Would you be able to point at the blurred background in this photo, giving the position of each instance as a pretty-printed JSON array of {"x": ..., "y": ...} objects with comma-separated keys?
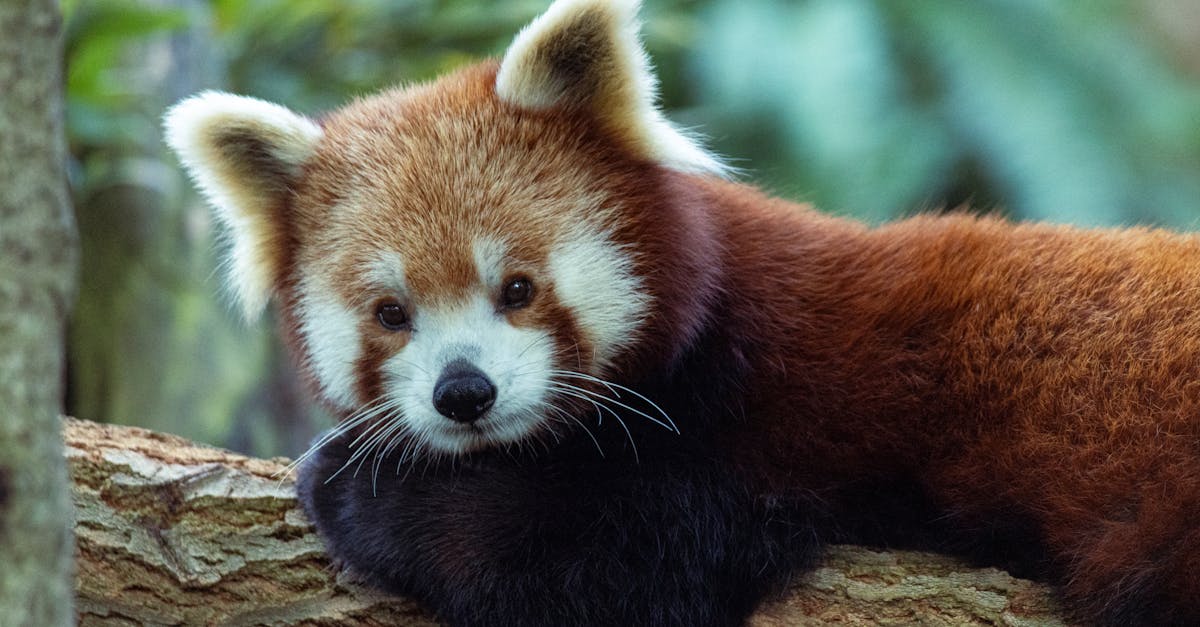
[{"x": 1081, "y": 112}]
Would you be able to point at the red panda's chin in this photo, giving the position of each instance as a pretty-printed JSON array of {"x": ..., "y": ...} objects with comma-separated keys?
[{"x": 494, "y": 430}]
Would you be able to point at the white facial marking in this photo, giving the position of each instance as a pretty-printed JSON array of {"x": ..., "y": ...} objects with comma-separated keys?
[
  {"x": 489, "y": 256},
  {"x": 386, "y": 272},
  {"x": 516, "y": 360},
  {"x": 330, "y": 332},
  {"x": 595, "y": 279}
]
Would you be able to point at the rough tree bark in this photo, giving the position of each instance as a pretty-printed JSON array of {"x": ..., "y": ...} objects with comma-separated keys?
[
  {"x": 37, "y": 265},
  {"x": 172, "y": 532}
]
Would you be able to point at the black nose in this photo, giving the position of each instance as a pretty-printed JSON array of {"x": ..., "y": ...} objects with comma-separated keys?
[{"x": 463, "y": 393}]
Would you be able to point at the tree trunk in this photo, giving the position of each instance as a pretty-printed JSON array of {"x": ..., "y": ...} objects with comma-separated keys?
[
  {"x": 37, "y": 265},
  {"x": 171, "y": 532}
]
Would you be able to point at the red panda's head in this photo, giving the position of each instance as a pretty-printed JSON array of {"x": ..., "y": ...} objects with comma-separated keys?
[{"x": 465, "y": 261}]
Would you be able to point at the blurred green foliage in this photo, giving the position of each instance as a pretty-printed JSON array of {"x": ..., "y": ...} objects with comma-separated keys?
[
  {"x": 1066, "y": 111},
  {"x": 1084, "y": 112}
]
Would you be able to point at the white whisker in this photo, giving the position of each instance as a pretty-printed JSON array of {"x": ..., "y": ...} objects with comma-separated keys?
[
  {"x": 567, "y": 391},
  {"x": 366, "y": 413},
  {"x": 616, "y": 386},
  {"x": 377, "y": 431},
  {"x": 567, "y": 415},
  {"x": 396, "y": 427},
  {"x": 668, "y": 427},
  {"x": 636, "y": 459}
]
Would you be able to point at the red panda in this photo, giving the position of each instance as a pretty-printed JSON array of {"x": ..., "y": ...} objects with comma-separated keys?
[{"x": 583, "y": 378}]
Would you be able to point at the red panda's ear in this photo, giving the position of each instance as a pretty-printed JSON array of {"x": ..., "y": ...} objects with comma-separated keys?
[
  {"x": 244, "y": 154},
  {"x": 586, "y": 54}
]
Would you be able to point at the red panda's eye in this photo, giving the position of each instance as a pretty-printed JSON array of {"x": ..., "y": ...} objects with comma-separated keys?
[
  {"x": 516, "y": 293},
  {"x": 392, "y": 316}
]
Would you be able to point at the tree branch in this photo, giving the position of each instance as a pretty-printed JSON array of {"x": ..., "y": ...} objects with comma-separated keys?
[{"x": 169, "y": 531}]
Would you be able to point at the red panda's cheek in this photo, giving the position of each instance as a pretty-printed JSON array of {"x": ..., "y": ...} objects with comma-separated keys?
[
  {"x": 546, "y": 314},
  {"x": 597, "y": 288},
  {"x": 326, "y": 333},
  {"x": 378, "y": 346},
  {"x": 384, "y": 339}
]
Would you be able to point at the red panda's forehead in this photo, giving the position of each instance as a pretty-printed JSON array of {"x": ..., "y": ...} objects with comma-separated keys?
[{"x": 436, "y": 173}]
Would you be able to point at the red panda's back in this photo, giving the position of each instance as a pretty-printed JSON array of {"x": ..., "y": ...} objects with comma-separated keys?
[{"x": 1042, "y": 372}]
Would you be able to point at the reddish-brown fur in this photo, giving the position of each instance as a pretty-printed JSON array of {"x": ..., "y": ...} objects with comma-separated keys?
[
  {"x": 1046, "y": 371},
  {"x": 385, "y": 165},
  {"x": 1042, "y": 369}
]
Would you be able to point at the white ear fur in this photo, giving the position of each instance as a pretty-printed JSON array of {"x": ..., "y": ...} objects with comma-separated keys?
[
  {"x": 243, "y": 154},
  {"x": 587, "y": 53}
]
